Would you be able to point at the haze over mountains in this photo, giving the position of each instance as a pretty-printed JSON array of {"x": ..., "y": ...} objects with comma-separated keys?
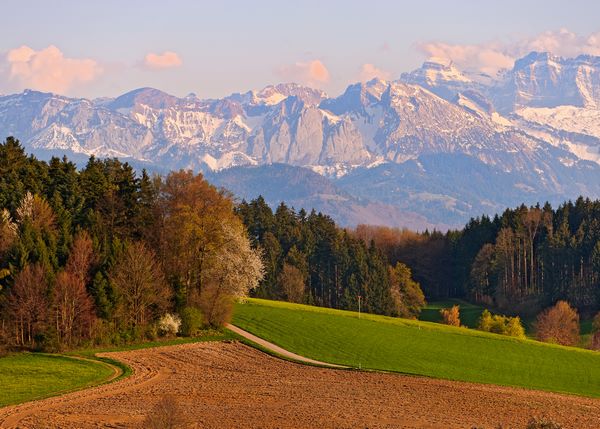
[{"x": 433, "y": 148}]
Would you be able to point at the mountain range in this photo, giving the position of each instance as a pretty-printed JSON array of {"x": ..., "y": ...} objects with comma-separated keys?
[{"x": 430, "y": 149}]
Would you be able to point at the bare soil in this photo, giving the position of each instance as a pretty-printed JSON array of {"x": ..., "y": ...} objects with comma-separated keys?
[{"x": 231, "y": 385}]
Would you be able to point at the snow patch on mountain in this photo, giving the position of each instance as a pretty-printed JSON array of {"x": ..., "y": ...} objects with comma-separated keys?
[{"x": 569, "y": 118}]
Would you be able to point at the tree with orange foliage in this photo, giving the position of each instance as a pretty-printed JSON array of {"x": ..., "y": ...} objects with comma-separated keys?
[
  {"x": 451, "y": 316},
  {"x": 558, "y": 324},
  {"x": 195, "y": 216}
]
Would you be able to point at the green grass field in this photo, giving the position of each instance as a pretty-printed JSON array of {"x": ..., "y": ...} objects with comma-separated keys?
[
  {"x": 420, "y": 348},
  {"x": 27, "y": 376},
  {"x": 470, "y": 313}
]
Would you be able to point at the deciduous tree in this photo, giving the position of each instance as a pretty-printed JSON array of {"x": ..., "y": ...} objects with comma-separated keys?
[
  {"x": 558, "y": 324},
  {"x": 27, "y": 304},
  {"x": 406, "y": 293},
  {"x": 451, "y": 316},
  {"x": 236, "y": 270},
  {"x": 73, "y": 309},
  {"x": 140, "y": 284},
  {"x": 292, "y": 283}
]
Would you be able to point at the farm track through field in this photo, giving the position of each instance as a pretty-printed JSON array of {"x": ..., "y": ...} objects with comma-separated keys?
[
  {"x": 231, "y": 385},
  {"x": 278, "y": 350}
]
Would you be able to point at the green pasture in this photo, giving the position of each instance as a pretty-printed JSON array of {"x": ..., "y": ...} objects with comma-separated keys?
[{"x": 420, "y": 348}]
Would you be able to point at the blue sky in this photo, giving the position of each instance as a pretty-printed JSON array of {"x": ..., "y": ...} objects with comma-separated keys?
[{"x": 216, "y": 48}]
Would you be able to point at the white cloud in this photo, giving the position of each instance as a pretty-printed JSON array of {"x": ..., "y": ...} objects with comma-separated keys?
[
  {"x": 47, "y": 70},
  {"x": 565, "y": 43},
  {"x": 167, "y": 59},
  {"x": 493, "y": 56},
  {"x": 369, "y": 71},
  {"x": 313, "y": 73}
]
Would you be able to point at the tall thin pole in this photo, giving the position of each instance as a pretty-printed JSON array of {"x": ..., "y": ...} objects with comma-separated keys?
[{"x": 359, "y": 362}]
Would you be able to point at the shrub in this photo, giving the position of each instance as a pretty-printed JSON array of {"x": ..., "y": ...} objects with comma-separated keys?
[
  {"x": 485, "y": 321},
  {"x": 216, "y": 307},
  {"x": 191, "y": 321},
  {"x": 558, "y": 324},
  {"x": 499, "y": 324},
  {"x": 451, "y": 316},
  {"x": 169, "y": 324},
  {"x": 514, "y": 327}
]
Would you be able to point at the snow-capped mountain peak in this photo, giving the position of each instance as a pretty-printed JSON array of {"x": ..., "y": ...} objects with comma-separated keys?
[{"x": 532, "y": 131}]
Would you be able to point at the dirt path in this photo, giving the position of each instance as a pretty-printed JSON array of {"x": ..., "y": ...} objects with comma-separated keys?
[
  {"x": 275, "y": 348},
  {"x": 231, "y": 385}
]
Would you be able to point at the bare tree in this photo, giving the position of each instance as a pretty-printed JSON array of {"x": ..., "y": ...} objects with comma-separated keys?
[
  {"x": 292, "y": 282},
  {"x": 27, "y": 304},
  {"x": 8, "y": 234},
  {"x": 72, "y": 305},
  {"x": 73, "y": 309},
  {"x": 81, "y": 257},
  {"x": 140, "y": 283}
]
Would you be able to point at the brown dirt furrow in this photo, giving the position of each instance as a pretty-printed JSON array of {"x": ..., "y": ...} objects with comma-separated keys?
[{"x": 230, "y": 385}]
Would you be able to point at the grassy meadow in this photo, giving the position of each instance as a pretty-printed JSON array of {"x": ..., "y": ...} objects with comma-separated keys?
[
  {"x": 420, "y": 348},
  {"x": 28, "y": 376}
]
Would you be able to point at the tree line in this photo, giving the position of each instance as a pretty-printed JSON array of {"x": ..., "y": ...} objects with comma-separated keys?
[
  {"x": 309, "y": 259},
  {"x": 101, "y": 254},
  {"x": 520, "y": 262}
]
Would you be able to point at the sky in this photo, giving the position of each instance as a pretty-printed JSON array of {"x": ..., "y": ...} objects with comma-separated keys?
[{"x": 105, "y": 48}]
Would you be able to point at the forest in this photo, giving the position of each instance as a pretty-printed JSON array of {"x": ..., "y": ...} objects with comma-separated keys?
[
  {"x": 103, "y": 254},
  {"x": 520, "y": 261}
]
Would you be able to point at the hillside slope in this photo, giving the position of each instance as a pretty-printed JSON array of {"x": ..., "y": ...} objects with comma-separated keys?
[{"x": 421, "y": 348}]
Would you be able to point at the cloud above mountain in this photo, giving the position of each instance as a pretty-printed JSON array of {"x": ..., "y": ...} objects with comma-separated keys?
[
  {"x": 166, "y": 60},
  {"x": 312, "y": 73},
  {"x": 490, "y": 57},
  {"x": 46, "y": 70},
  {"x": 369, "y": 71}
]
